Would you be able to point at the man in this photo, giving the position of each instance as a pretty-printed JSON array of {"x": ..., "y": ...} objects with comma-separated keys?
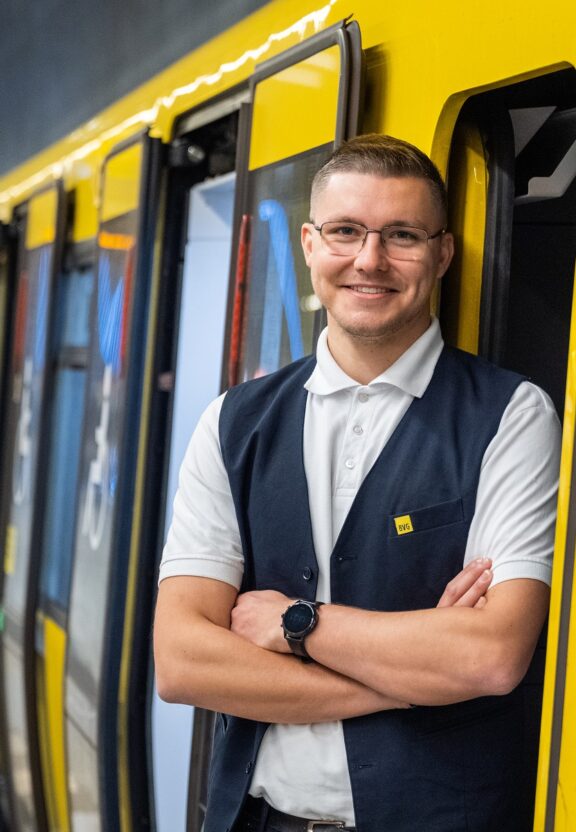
[{"x": 367, "y": 480}]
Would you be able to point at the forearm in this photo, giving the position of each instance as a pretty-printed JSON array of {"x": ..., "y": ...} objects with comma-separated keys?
[
  {"x": 431, "y": 657},
  {"x": 200, "y": 662},
  {"x": 427, "y": 657}
]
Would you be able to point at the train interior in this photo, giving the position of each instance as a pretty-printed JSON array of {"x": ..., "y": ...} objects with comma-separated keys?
[{"x": 528, "y": 136}]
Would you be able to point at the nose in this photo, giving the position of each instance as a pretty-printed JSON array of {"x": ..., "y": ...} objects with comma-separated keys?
[{"x": 372, "y": 256}]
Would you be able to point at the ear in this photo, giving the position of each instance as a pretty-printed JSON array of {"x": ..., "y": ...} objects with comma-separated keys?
[
  {"x": 446, "y": 254},
  {"x": 306, "y": 240}
]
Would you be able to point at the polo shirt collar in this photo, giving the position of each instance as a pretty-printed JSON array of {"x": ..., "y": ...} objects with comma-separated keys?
[{"x": 411, "y": 372}]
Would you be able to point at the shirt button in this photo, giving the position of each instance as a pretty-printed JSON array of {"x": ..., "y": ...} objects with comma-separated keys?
[
  {"x": 349, "y": 463},
  {"x": 358, "y": 429},
  {"x": 307, "y": 573},
  {"x": 363, "y": 397}
]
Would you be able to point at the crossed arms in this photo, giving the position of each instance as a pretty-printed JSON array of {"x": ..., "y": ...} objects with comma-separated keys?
[{"x": 226, "y": 652}]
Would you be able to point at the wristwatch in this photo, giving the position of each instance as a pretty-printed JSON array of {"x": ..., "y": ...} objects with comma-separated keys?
[{"x": 298, "y": 622}]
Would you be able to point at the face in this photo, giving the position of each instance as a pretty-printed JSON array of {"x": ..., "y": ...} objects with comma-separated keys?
[{"x": 369, "y": 297}]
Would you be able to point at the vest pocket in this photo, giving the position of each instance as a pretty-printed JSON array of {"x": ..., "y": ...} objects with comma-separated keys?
[{"x": 403, "y": 524}]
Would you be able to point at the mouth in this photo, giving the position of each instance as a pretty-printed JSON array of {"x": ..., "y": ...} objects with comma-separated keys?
[{"x": 371, "y": 290}]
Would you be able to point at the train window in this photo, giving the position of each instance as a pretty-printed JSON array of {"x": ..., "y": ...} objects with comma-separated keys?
[
  {"x": 304, "y": 102},
  {"x": 74, "y": 296},
  {"x": 24, "y": 460},
  {"x": 108, "y": 454},
  {"x": 282, "y": 313}
]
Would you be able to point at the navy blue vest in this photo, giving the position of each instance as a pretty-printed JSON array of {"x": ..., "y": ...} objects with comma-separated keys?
[{"x": 467, "y": 767}]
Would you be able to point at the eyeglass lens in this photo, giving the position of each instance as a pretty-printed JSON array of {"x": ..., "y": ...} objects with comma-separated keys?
[{"x": 400, "y": 242}]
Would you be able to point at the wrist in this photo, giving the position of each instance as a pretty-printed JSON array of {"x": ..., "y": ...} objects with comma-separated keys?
[{"x": 298, "y": 621}]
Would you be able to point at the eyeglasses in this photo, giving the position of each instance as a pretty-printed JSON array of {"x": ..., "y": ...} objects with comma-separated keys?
[{"x": 402, "y": 242}]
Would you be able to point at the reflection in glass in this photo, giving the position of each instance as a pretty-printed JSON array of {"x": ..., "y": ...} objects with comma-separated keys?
[
  {"x": 106, "y": 397},
  {"x": 280, "y": 321},
  {"x": 67, "y": 411}
]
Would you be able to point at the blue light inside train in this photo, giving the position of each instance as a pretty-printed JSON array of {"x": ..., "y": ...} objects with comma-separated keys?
[
  {"x": 41, "y": 310},
  {"x": 281, "y": 288},
  {"x": 110, "y": 305}
]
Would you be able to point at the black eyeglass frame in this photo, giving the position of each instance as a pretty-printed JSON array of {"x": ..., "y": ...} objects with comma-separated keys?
[{"x": 379, "y": 231}]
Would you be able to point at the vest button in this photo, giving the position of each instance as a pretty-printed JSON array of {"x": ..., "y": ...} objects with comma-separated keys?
[
  {"x": 249, "y": 767},
  {"x": 307, "y": 573}
]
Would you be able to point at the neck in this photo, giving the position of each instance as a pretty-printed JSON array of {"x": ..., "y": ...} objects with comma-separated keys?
[{"x": 364, "y": 358}]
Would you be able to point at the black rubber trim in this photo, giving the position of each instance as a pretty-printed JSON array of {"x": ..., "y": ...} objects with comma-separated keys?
[
  {"x": 240, "y": 201},
  {"x": 39, "y": 501},
  {"x": 498, "y": 136},
  {"x": 122, "y": 520}
]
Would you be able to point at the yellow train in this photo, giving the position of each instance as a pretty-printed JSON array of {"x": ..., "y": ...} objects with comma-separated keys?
[{"x": 151, "y": 258}]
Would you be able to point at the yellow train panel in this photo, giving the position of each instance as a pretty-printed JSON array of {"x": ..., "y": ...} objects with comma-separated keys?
[
  {"x": 41, "y": 223},
  {"x": 51, "y": 719},
  {"x": 303, "y": 95},
  {"x": 122, "y": 183},
  {"x": 430, "y": 69},
  {"x": 85, "y": 207},
  {"x": 467, "y": 221}
]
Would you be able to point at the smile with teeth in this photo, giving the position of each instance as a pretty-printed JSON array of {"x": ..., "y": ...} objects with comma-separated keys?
[{"x": 370, "y": 290}]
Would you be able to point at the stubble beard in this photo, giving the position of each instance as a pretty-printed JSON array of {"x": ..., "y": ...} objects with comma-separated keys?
[{"x": 383, "y": 333}]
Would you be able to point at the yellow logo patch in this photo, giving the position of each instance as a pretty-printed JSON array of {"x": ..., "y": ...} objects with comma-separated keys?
[{"x": 403, "y": 524}]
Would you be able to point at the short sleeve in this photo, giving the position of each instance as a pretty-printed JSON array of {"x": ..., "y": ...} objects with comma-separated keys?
[
  {"x": 515, "y": 515},
  {"x": 204, "y": 539}
]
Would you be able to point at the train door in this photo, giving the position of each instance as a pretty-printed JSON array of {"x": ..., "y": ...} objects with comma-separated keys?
[
  {"x": 97, "y": 716},
  {"x": 7, "y": 269},
  {"x": 514, "y": 296},
  {"x": 24, "y": 457},
  {"x": 302, "y": 103},
  {"x": 199, "y": 213},
  {"x": 73, "y": 300}
]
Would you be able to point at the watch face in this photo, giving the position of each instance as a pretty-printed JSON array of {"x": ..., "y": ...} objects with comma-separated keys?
[{"x": 298, "y": 618}]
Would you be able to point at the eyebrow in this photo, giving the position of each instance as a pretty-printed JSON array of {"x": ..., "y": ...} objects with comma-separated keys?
[{"x": 399, "y": 223}]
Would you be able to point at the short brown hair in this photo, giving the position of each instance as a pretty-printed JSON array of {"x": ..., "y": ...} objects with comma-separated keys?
[{"x": 382, "y": 156}]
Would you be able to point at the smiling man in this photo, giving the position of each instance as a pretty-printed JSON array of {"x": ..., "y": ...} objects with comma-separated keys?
[{"x": 325, "y": 583}]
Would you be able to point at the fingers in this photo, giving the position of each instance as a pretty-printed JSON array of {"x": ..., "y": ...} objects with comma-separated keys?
[
  {"x": 469, "y": 585},
  {"x": 476, "y": 595}
]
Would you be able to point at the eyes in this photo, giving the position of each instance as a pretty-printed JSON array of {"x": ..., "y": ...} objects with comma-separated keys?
[
  {"x": 404, "y": 236},
  {"x": 400, "y": 242}
]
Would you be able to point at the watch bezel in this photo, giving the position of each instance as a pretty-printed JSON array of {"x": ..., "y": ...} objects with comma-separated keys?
[{"x": 311, "y": 607}]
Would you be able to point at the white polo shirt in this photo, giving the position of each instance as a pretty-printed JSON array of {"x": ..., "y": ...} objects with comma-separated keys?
[{"x": 301, "y": 769}]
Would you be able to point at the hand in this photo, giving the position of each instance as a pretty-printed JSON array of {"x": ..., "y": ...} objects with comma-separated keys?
[
  {"x": 257, "y": 617},
  {"x": 469, "y": 587}
]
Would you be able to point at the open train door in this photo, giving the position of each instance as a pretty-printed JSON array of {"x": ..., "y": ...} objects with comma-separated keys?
[
  {"x": 38, "y": 234},
  {"x": 96, "y": 715},
  {"x": 303, "y": 103},
  {"x": 510, "y": 297}
]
